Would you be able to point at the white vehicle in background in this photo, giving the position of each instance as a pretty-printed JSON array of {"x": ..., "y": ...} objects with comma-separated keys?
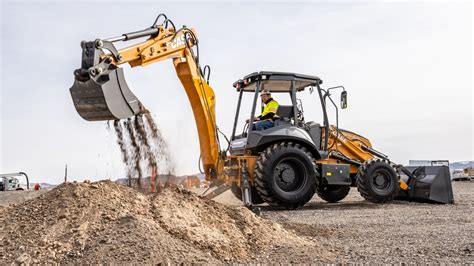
[
  {"x": 9, "y": 182},
  {"x": 459, "y": 175}
]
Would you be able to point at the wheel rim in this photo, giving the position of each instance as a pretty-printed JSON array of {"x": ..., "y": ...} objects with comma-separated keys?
[
  {"x": 382, "y": 181},
  {"x": 290, "y": 174}
]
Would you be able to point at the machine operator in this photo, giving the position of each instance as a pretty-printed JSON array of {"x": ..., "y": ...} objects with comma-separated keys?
[{"x": 265, "y": 120}]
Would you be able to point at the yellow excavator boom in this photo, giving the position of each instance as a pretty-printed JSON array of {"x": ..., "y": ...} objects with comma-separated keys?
[{"x": 101, "y": 93}]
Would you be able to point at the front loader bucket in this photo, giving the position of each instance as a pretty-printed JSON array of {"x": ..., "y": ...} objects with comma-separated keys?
[
  {"x": 104, "y": 97},
  {"x": 431, "y": 184}
]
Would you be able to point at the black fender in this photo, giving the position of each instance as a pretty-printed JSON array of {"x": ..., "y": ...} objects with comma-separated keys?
[{"x": 259, "y": 140}]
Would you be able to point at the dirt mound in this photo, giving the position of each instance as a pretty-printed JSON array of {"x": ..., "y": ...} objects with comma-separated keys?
[{"x": 108, "y": 222}]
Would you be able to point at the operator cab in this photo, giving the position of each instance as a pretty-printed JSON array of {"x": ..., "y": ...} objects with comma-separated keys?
[{"x": 290, "y": 125}]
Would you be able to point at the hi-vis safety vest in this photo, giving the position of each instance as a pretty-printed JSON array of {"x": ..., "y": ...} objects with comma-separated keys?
[{"x": 271, "y": 107}]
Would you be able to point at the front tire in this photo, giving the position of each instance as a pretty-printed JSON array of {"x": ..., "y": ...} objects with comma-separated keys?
[
  {"x": 332, "y": 193},
  {"x": 285, "y": 175},
  {"x": 377, "y": 181}
]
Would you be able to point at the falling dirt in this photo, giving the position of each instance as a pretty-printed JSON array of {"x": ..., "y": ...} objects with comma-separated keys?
[
  {"x": 142, "y": 136},
  {"x": 135, "y": 148},
  {"x": 160, "y": 145},
  {"x": 104, "y": 222},
  {"x": 144, "y": 151},
  {"x": 123, "y": 148}
]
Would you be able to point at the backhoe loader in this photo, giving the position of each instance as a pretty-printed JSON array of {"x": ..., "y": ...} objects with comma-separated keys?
[{"x": 283, "y": 166}]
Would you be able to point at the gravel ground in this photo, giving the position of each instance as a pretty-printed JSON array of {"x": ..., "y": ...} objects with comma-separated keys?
[
  {"x": 399, "y": 232},
  {"x": 9, "y": 197}
]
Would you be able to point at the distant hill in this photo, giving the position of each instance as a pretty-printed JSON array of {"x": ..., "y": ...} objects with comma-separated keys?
[{"x": 461, "y": 165}]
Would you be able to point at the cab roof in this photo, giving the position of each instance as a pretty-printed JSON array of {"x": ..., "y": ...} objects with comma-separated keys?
[{"x": 276, "y": 81}]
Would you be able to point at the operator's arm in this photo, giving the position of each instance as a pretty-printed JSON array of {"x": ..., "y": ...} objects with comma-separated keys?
[
  {"x": 260, "y": 117},
  {"x": 266, "y": 116}
]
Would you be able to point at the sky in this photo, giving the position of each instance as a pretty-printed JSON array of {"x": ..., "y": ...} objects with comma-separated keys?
[{"x": 407, "y": 67}]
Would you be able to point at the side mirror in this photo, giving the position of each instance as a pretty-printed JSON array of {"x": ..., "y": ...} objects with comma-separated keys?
[{"x": 344, "y": 100}]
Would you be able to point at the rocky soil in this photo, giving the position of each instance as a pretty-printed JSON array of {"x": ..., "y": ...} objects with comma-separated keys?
[{"x": 105, "y": 222}]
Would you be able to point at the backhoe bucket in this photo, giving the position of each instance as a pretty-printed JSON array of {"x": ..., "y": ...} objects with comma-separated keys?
[
  {"x": 104, "y": 97},
  {"x": 431, "y": 184}
]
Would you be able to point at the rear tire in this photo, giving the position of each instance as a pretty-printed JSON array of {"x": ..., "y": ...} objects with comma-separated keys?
[
  {"x": 285, "y": 175},
  {"x": 377, "y": 181},
  {"x": 237, "y": 191},
  {"x": 332, "y": 193}
]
